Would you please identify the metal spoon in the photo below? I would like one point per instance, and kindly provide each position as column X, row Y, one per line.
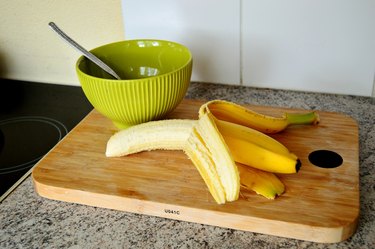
column 86, row 53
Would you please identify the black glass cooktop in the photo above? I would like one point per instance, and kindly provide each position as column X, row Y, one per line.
column 34, row 117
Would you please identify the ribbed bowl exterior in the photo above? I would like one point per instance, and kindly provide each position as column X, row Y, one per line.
column 130, row 102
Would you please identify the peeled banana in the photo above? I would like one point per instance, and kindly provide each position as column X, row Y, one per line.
column 190, row 136
column 226, row 151
column 200, row 140
column 234, row 113
column 159, row 135
column 163, row 134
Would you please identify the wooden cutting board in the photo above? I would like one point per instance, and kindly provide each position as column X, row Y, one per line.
column 320, row 204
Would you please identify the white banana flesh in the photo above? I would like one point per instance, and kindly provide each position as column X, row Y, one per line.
column 219, row 152
column 163, row 134
column 198, row 153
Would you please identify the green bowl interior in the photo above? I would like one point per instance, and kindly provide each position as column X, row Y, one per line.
column 136, row 59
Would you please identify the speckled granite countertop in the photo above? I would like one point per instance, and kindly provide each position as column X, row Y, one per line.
column 30, row 221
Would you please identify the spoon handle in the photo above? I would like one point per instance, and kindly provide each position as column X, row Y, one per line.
column 86, row 53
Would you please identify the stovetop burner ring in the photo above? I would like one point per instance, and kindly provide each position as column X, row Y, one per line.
column 58, row 129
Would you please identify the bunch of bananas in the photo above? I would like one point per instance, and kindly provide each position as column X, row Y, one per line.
column 228, row 145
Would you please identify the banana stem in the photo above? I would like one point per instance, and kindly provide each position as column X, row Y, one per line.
column 302, row 118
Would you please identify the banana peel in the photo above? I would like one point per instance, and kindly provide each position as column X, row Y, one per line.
column 234, row 113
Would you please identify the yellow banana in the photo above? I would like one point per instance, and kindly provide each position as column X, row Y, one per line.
column 222, row 146
column 184, row 135
column 238, row 114
column 246, row 145
column 262, row 182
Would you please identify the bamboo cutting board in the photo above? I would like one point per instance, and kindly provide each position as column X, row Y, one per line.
column 320, row 204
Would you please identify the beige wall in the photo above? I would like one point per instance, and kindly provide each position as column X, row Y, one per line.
column 31, row 51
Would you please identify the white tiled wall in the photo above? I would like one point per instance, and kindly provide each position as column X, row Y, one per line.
column 309, row 45
column 323, row 46
column 210, row 28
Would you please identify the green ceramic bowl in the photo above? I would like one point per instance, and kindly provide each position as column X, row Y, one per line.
column 155, row 77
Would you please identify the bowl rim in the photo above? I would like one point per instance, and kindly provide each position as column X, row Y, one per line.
column 81, row 58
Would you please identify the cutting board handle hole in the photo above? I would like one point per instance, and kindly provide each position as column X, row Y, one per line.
column 325, row 159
